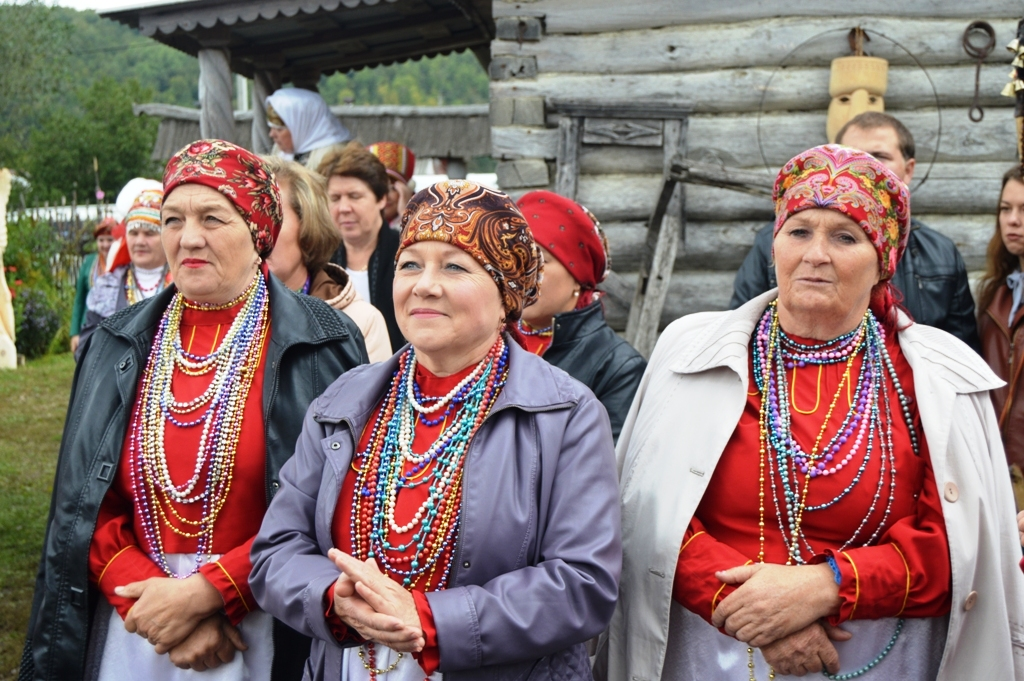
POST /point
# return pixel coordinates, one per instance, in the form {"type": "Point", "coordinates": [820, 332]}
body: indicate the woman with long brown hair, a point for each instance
{"type": "Point", "coordinates": [999, 320]}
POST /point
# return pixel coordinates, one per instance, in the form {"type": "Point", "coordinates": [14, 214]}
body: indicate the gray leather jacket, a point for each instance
{"type": "Point", "coordinates": [931, 275]}
{"type": "Point", "coordinates": [539, 553]}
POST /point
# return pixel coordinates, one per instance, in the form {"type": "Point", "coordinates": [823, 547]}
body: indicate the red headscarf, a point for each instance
{"type": "Point", "coordinates": [239, 175]}
{"type": "Point", "coordinates": [572, 234]}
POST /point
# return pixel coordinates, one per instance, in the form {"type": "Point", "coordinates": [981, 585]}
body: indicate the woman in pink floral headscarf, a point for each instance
{"type": "Point", "coordinates": [812, 482]}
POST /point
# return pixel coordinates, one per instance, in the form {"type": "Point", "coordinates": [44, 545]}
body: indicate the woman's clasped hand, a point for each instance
{"type": "Point", "coordinates": [781, 609]}
{"type": "Point", "coordinates": [374, 605]}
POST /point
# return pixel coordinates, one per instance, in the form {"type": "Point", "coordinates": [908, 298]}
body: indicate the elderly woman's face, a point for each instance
{"type": "Point", "coordinates": [144, 248]}
{"type": "Point", "coordinates": [826, 267]}
{"type": "Point", "coordinates": [1011, 217]}
{"type": "Point", "coordinates": [287, 254]}
{"type": "Point", "coordinates": [209, 247]}
{"type": "Point", "coordinates": [558, 292]}
{"type": "Point", "coordinates": [354, 208]}
{"type": "Point", "coordinates": [282, 138]}
{"type": "Point", "coordinates": [445, 302]}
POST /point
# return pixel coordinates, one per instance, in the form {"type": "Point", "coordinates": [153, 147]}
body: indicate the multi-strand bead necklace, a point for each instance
{"type": "Point", "coordinates": [381, 474]}
{"type": "Point", "coordinates": [135, 292]}
{"type": "Point", "coordinates": [866, 430]}
{"type": "Point", "coordinates": [217, 411]}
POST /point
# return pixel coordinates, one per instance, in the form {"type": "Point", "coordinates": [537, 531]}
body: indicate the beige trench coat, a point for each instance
{"type": "Point", "coordinates": [685, 411]}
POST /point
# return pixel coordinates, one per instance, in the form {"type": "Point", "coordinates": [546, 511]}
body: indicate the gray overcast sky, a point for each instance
{"type": "Point", "coordinates": [99, 5]}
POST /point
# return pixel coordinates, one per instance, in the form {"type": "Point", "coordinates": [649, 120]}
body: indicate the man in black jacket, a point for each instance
{"type": "Point", "coordinates": [931, 276]}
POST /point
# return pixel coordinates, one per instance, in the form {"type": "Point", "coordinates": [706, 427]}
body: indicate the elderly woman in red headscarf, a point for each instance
{"type": "Point", "coordinates": [184, 408]}
{"type": "Point", "coordinates": [566, 325]}
{"type": "Point", "coordinates": [453, 509]}
{"type": "Point", "coordinates": [812, 482]}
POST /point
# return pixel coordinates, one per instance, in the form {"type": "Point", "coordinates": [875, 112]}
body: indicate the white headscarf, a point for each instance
{"type": "Point", "coordinates": [307, 117]}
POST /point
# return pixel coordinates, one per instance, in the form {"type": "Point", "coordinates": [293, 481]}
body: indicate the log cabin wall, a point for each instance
{"type": "Point", "coordinates": [739, 65]}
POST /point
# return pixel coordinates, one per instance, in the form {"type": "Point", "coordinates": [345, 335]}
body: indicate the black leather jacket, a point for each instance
{"type": "Point", "coordinates": [310, 345]}
{"type": "Point", "coordinates": [381, 273]}
{"type": "Point", "coordinates": [586, 348]}
{"type": "Point", "coordinates": [931, 276]}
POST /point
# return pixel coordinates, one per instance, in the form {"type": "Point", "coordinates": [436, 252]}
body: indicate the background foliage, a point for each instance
{"type": "Point", "coordinates": [68, 80]}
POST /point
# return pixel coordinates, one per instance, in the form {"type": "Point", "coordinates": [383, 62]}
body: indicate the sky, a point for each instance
{"type": "Point", "coordinates": [100, 5]}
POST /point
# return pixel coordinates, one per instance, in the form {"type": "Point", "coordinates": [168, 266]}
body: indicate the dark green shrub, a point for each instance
{"type": "Point", "coordinates": [38, 322]}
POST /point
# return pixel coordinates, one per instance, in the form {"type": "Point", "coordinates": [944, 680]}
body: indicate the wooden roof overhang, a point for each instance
{"type": "Point", "coordinates": [301, 39]}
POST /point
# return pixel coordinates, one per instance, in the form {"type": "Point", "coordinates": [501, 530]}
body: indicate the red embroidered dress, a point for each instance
{"type": "Point", "coordinates": [905, 573]}
{"type": "Point", "coordinates": [119, 554]}
{"type": "Point", "coordinates": [407, 502]}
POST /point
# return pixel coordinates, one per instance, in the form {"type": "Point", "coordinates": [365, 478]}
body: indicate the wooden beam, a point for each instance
{"type": "Point", "coordinates": [265, 83]}
{"type": "Point", "coordinates": [799, 41]}
{"type": "Point", "coordinates": [217, 114]}
{"type": "Point", "coordinates": [595, 16]}
{"type": "Point", "coordinates": [568, 169]}
{"type": "Point", "coordinates": [663, 237]}
{"type": "Point", "coordinates": [742, 90]}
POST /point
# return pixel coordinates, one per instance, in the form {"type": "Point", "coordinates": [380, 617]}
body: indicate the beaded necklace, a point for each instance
{"type": "Point", "coordinates": [218, 411]}
{"type": "Point", "coordinates": [528, 331]}
{"type": "Point", "coordinates": [134, 291]}
{"type": "Point", "coordinates": [865, 430]}
{"type": "Point", "coordinates": [381, 474]}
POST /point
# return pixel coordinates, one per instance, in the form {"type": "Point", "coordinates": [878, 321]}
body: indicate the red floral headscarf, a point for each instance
{"type": "Point", "coordinates": [487, 225]}
{"type": "Point", "coordinates": [572, 234]}
{"type": "Point", "coordinates": [852, 183]}
{"type": "Point", "coordinates": [239, 175]}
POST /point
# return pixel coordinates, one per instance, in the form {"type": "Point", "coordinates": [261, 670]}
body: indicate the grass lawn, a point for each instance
{"type": "Point", "coordinates": [33, 400]}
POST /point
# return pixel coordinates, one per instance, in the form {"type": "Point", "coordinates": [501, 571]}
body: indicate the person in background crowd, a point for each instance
{"type": "Point", "coordinates": [183, 411]}
{"type": "Point", "coordinates": [400, 163]}
{"type": "Point", "coordinates": [147, 273]}
{"type": "Point", "coordinates": [816, 459]}
{"type": "Point", "coordinates": [357, 188]}
{"type": "Point", "coordinates": [495, 553]}
{"type": "Point", "coordinates": [303, 127]}
{"type": "Point", "coordinates": [932, 278]}
{"type": "Point", "coordinates": [306, 243]}
{"type": "Point", "coordinates": [1000, 320]}
{"type": "Point", "coordinates": [566, 325]}
{"type": "Point", "coordinates": [92, 267]}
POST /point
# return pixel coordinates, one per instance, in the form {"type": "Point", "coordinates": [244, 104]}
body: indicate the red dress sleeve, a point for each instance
{"type": "Point", "coordinates": [115, 558]}
{"type": "Point", "coordinates": [430, 657]}
{"type": "Point", "coordinates": [695, 586]}
{"type": "Point", "coordinates": [230, 576]}
{"type": "Point", "coordinates": [907, 573]}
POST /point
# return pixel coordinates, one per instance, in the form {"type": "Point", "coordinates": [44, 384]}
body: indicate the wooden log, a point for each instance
{"type": "Point", "coordinates": [688, 292]}
{"type": "Point", "coordinates": [263, 87]}
{"type": "Point", "coordinates": [952, 189]}
{"type": "Point", "coordinates": [526, 172]}
{"type": "Point", "coordinates": [217, 113]}
{"type": "Point", "coordinates": [723, 245]}
{"type": "Point", "coordinates": [732, 139]}
{"type": "Point", "coordinates": [596, 16]}
{"type": "Point", "coordinates": [739, 90]}
{"type": "Point", "coordinates": [800, 41]}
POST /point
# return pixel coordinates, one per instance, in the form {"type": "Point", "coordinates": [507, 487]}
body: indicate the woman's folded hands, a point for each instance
{"type": "Point", "coordinates": [377, 607]}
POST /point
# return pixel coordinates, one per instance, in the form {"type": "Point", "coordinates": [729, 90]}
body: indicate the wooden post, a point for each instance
{"type": "Point", "coordinates": [217, 114]}
{"type": "Point", "coordinates": [566, 179]}
{"type": "Point", "coordinates": [264, 84]}
{"type": "Point", "coordinates": [662, 245]}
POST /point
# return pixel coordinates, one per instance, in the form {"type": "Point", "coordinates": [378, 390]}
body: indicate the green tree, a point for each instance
{"type": "Point", "coordinates": [101, 126]}
{"type": "Point", "coordinates": [456, 78]}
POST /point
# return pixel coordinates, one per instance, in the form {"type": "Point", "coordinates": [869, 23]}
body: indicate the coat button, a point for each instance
{"type": "Point", "coordinates": [951, 492]}
{"type": "Point", "coordinates": [335, 445]}
{"type": "Point", "coordinates": [122, 365]}
{"type": "Point", "coordinates": [971, 599]}
{"type": "Point", "coordinates": [465, 564]}
{"type": "Point", "coordinates": [275, 485]}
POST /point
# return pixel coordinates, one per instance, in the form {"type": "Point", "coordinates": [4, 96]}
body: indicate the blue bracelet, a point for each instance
{"type": "Point", "coordinates": [835, 570]}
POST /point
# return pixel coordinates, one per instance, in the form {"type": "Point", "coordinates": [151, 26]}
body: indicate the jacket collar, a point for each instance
{"type": "Point", "coordinates": [573, 325]}
{"type": "Point", "coordinates": [532, 385]}
{"type": "Point", "coordinates": [727, 344]}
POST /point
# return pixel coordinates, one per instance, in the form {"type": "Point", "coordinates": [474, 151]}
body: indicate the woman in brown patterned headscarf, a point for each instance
{"type": "Point", "coordinates": [474, 478]}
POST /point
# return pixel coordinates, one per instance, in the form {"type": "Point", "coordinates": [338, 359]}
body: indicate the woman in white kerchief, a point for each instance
{"type": "Point", "coordinates": [302, 127]}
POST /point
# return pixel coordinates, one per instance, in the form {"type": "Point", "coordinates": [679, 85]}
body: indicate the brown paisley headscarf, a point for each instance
{"type": "Point", "coordinates": [238, 174]}
{"type": "Point", "coordinates": [486, 224]}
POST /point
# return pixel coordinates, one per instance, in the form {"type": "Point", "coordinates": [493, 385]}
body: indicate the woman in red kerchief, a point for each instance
{"type": "Point", "coordinates": [183, 410]}
{"type": "Point", "coordinates": [566, 325]}
{"type": "Point", "coordinates": [451, 511]}
{"type": "Point", "coordinates": [812, 482]}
